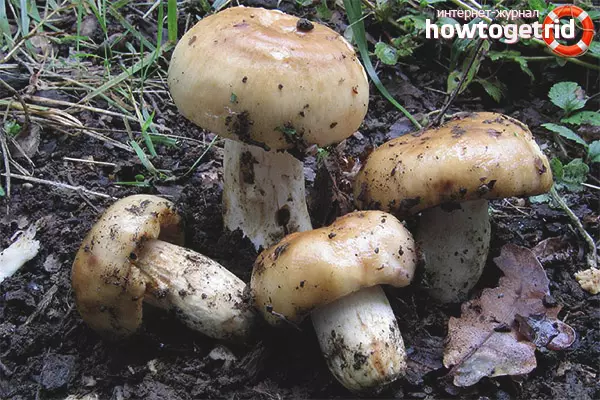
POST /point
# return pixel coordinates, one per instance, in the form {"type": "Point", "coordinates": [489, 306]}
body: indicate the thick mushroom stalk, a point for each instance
{"type": "Point", "coordinates": [274, 82]}
{"type": "Point", "coordinates": [457, 166]}
{"type": "Point", "coordinates": [128, 257]}
{"type": "Point", "coordinates": [263, 193]}
{"type": "Point", "coordinates": [360, 339]}
{"type": "Point", "coordinates": [455, 245]}
{"type": "Point", "coordinates": [202, 293]}
{"type": "Point", "coordinates": [334, 273]}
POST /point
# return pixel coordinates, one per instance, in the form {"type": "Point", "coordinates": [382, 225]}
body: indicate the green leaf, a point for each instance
{"type": "Point", "coordinates": [323, 12]}
{"type": "Point", "coordinates": [541, 198]}
{"type": "Point", "coordinates": [574, 174]}
{"type": "Point", "coordinates": [565, 132]}
{"type": "Point", "coordinates": [539, 5]}
{"type": "Point", "coordinates": [568, 96]}
{"type": "Point", "coordinates": [594, 49]}
{"type": "Point", "coordinates": [512, 55]}
{"type": "Point", "coordinates": [2, 192]}
{"type": "Point", "coordinates": [12, 128]}
{"type": "Point", "coordinates": [557, 168]}
{"type": "Point", "coordinates": [354, 12]}
{"type": "Point", "coordinates": [495, 88]}
{"type": "Point", "coordinates": [405, 45]}
{"type": "Point", "coordinates": [386, 53]}
{"type": "Point", "coordinates": [594, 14]}
{"type": "Point", "coordinates": [594, 152]}
{"type": "Point", "coordinates": [583, 117]}
{"type": "Point", "coordinates": [455, 76]}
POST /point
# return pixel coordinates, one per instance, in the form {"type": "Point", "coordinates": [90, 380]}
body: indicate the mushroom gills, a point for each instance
{"type": "Point", "coordinates": [203, 294]}
{"type": "Point", "coordinates": [263, 193]}
{"type": "Point", "coordinates": [455, 245]}
{"type": "Point", "coordinates": [360, 339]}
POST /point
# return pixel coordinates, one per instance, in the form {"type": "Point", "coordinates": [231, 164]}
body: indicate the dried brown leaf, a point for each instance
{"type": "Point", "coordinates": [486, 340]}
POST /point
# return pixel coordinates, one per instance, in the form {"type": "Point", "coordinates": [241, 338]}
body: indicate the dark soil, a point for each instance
{"type": "Point", "coordinates": [46, 351]}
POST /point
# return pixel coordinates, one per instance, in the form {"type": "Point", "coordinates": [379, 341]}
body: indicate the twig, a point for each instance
{"type": "Point", "coordinates": [456, 91]}
{"type": "Point", "coordinates": [592, 251]}
{"type": "Point", "coordinates": [20, 100]}
{"type": "Point", "coordinates": [106, 164]}
{"type": "Point", "coordinates": [59, 185]}
{"type": "Point", "coordinates": [43, 304]}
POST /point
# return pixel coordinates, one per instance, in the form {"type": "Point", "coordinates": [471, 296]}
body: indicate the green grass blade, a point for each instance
{"type": "Point", "coordinates": [160, 27]}
{"type": "Point", "coordinates": [218, 4]}
{"type": "Point", "coordinates": [147, 122]}
{"type": "Point", "coordinates": [24, 18]}
{"type": "Point", "coordinates": [127, 73]}
{"type": "Point", "coordinates": [4, 26]}
{"type": "Point", "coordinates": [193, 167]}
{"type": "Point", "coordinates": [172, 20]}
{"type": "Point", "coordinates": [143, 157]}
{"type": "Point", "coordinates": [117, 15]}
{"type": "Point", "coordinates": [354, 11]}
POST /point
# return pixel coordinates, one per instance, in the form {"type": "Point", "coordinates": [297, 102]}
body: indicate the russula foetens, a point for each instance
{"type": "Point", "coordinates": [132, 255]}
{"type": "Point", "coordinates": [333, 274]}
{"type": "Point", "coordinates": [447, 174]}
{"type": "Point", "coordinates": [267, 81]}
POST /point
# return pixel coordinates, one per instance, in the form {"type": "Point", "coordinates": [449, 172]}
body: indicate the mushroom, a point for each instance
{"type": "Point", "coordinates": [447, 174]}
{"type": "Point", "coordinates": [132, 254]}
{"type": "Point", "coordinates": [267, 81]}
{"type": "Point", "coordinates": [333, 274]}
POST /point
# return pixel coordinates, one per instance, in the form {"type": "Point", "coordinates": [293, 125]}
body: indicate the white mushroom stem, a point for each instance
{"type": "Point", "coordinates": [360, 339]}
{"type": "Point", "coordinates": [263, 193]}
{"type": "Point", "coordinates": [455, 246]}
{"type": "Point", "coordinates": [203, 294]}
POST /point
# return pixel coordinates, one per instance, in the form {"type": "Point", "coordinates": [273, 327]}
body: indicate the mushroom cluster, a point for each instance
{"type": "Point", "coordinates": [448, 174]}
{"type": "Point", "coordinates": [133, 255]}
{"type": "Point", "coordinates": [267, 81]}
{"type": "Point", "coordinates": [333, 274]}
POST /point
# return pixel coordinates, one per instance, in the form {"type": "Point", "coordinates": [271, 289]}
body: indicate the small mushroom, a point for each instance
{"type": "Point", "coordinates": [132, 254]}
{"type": "Point", "coordinates": [448, 174]}
{"type": "Point", "coordinates": [265, 82]}
{"type": "Point", "coordinates": [333, 274]}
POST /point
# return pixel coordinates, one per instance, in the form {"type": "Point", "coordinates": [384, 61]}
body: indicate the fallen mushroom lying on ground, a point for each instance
{"type": "Point", "coordinates": [132, 255]}
{"type": "Point", "coordinates": [448, 174]}
{"type": "Point", "coordinates": [333, 274]}
{"type": "Point", "coordinates": [285, 83]}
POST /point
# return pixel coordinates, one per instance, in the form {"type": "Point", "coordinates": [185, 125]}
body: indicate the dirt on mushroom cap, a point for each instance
{"type": "Point", "coordinates": [109, 289]}
{"type": "Point", "coordinates": [313, 268]}
{"type": "Point", "coordinates": [253, 75]}
{"type": "Point", "coordinates": [476, 156]}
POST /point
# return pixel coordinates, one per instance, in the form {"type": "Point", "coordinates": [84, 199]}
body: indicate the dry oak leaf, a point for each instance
{"type": "Point", "coordinates": [487, 339]}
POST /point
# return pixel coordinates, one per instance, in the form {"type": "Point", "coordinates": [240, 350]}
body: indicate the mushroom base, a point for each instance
{"type": "Point", "coordinates": [203, 294]}
{"type": "Point", "coordinates": [361, 341]}
{"type": "Point", "coordinates": [263, 193]}
{"type": "Point", "coordinates": [455, 246]}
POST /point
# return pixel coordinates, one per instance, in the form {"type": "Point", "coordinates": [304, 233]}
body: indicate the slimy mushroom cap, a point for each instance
{"type": "Point", "coordinates": [267, 78]}
{"type": "Point", "coordinates": [109, 288]}
{"type": "Point", "coordinates": [310, 269]}
{"type": "Point", "coordinates": [476, 156]}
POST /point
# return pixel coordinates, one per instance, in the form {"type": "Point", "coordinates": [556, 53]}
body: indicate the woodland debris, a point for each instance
{"type": "Point", "coordinates": [497, 334]}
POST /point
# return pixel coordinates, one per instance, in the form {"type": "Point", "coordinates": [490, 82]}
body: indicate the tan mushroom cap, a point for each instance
{"type": "Point", "coordinates": [250, 74]}
{"type": "Point", "coordinates": [109, 289]}
{"type": "Point", "coordinates": [313, 268]}
{"type": "Point", "coordinates": [477, 156]}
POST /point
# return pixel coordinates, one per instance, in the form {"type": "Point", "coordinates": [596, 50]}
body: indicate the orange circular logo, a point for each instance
{"type": "Point", "coordinates": [574, 12]}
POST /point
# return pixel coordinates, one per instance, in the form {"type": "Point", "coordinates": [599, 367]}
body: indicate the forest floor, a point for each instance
{"type": "Point", "coordinates": [47, 351]}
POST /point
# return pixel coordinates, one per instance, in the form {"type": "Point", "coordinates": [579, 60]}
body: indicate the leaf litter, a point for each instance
{"type": "Point", "coordinates": [497, 334]}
